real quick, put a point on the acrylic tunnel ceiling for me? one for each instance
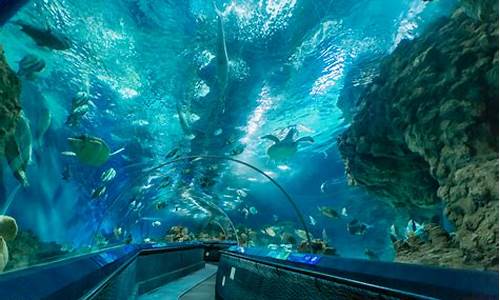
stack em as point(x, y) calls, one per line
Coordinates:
point(115, 89)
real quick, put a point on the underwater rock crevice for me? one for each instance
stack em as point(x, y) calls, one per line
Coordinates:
point(426, 129)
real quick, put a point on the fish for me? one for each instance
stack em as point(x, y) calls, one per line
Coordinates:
point(108, 175)
point(98, 192)
point(245, 212)
point(80, 98)
point(344, 212)
point(146, 187)
point(237, 150)
point(329, 212)
point(253, 210)
point(414, 228)
point(45, 37)
point(323, 187)
point(156, 224)
point(241, 193)
point(194, 117)
point(77, 115)
point(272, 246)
point(270, 231)
point(275, 218)
point(185, 126)
point(140, 123)
point(324, 236)
point(283, 167)
point(29, 65)
point(393, 233)
point(301, 233)
point(159, 205)
point(117, 231)
point(172, 153)
point(218, 132)
point(355, 227)
point(312, 221)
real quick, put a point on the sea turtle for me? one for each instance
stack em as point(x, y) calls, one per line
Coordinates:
point(329, 212)
point(90, 150)
point(287, 147)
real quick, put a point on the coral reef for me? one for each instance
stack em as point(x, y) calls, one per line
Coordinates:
point(437, 248)
point(426, 130)
point(27, 250)
point(179, 234)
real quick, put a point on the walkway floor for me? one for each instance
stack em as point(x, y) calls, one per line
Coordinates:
point(194, 282)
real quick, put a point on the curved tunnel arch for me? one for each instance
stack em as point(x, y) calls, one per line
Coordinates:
point(218, 208)
point(193, 158)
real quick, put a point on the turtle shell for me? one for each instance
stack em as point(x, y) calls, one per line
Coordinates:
point(90, 150)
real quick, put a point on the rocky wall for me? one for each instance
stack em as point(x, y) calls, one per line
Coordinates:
point(426, 129)
point(10, 108)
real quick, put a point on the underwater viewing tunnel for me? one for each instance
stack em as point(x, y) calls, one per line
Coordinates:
point(249, 149)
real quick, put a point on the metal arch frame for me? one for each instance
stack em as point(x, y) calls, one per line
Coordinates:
point(190, 158)
point(220, 157)
point(215, 206)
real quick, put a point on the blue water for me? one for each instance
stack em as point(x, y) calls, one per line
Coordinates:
point(141, 59)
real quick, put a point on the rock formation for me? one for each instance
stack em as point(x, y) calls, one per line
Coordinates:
point(425, 130)
point(10, 108)
point(27, 250)
point(438, 248)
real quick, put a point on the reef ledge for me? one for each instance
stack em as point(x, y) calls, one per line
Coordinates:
point(425, 133)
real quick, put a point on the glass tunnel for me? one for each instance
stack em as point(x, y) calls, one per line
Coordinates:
point(319, 149)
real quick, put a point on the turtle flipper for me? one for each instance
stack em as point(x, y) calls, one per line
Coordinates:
point(271, 137)
point(15, 161)
point(117, 151)
point(307, 139)
point(291, 133)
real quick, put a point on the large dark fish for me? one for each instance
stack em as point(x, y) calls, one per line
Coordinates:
point(45, 37)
